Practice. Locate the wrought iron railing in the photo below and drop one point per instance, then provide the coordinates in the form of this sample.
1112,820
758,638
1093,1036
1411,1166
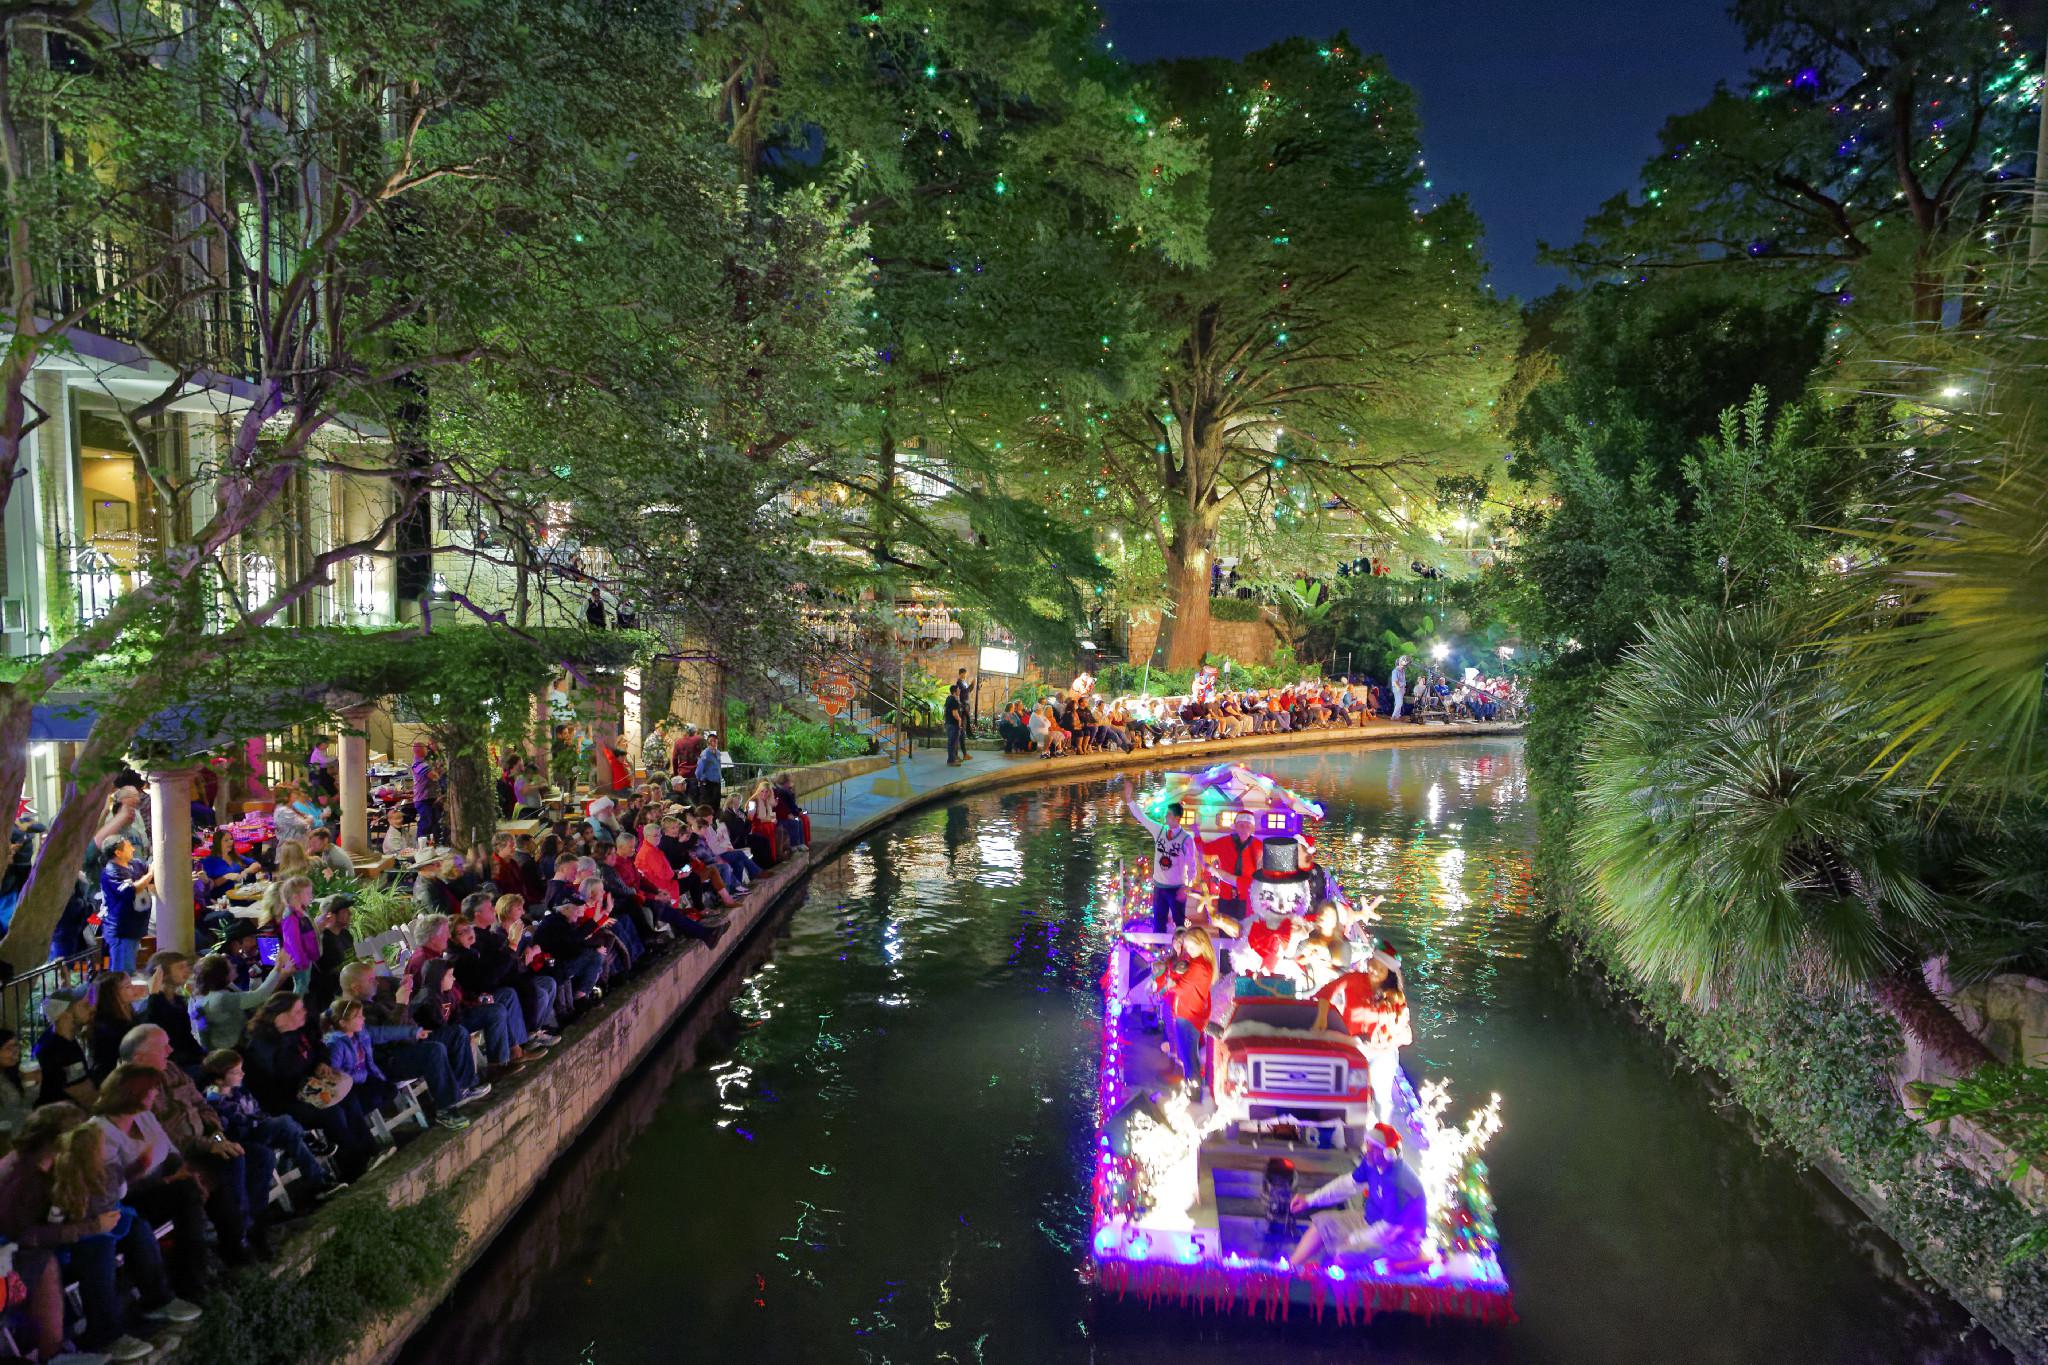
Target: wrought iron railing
21,999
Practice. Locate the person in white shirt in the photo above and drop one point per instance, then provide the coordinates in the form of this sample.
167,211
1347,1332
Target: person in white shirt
1174,856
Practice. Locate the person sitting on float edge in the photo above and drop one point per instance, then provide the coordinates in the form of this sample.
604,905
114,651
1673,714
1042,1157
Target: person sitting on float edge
1390,1219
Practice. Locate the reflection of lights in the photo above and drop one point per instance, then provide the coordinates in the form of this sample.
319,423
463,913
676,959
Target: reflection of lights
1436,802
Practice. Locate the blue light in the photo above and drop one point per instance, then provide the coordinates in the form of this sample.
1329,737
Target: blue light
1335,1272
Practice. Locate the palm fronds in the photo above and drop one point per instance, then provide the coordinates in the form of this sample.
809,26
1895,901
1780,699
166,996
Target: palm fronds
1737,838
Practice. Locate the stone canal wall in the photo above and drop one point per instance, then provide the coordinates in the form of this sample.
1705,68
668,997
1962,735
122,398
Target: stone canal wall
488,1170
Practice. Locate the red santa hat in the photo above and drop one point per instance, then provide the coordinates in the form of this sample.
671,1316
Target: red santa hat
1384,1137
1386,957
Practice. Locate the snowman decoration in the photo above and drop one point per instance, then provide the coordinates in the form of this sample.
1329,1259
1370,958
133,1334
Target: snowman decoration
1281,896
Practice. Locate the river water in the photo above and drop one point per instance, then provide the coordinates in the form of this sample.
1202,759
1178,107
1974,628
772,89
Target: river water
872,1142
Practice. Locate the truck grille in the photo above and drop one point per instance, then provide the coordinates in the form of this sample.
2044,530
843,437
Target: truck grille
1297,1075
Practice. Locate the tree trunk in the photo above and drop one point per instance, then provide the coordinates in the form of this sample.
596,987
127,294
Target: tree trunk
1184,636
80,812
16,713
472,792
1904,994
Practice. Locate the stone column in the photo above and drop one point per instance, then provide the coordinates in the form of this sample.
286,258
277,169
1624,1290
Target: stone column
354,759
170,830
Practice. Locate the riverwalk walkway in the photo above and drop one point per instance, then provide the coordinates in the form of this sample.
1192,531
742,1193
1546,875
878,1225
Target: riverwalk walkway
539,1112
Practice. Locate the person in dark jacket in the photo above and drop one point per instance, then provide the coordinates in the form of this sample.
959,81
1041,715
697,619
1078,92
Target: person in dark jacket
485,966
337,950
169,1010
574,955
282,1055
442,1058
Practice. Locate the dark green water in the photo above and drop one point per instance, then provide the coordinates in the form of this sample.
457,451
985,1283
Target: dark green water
872,1144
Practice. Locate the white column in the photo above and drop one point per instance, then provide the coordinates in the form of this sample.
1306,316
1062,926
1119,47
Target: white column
170,830
354,758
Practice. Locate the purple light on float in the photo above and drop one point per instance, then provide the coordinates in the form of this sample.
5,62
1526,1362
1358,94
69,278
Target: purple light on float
1194,1268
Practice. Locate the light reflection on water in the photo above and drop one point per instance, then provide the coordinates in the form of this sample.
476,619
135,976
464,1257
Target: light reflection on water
885,1155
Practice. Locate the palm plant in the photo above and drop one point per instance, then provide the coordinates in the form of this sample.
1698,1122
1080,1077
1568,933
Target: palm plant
1739,841
1941,623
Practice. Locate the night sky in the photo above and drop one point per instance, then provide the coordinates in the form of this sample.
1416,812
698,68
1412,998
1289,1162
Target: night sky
1537,110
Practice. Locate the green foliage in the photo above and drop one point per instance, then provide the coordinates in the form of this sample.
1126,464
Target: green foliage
1866,140
1727,820
371,1259
2010,1102
785,739
1236,609
379,909
1940,621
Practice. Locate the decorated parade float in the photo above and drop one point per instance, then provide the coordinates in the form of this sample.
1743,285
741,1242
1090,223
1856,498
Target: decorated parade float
1196,1201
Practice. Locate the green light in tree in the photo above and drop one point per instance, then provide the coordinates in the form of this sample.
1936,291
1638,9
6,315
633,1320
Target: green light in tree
931,73
1001,186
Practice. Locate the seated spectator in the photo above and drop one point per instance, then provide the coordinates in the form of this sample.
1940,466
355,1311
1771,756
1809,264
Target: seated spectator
438,1002
235,1178
442,1059
223,869
283,1057
574,956
487,969
45,1211
740,865
328,856
67,1074
114,998
790,815
243,948
146,1172
349,1052
219,1012
16,1099
1013,727
243,1120
167,1007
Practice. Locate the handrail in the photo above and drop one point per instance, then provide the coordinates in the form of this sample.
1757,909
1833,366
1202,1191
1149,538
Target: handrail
22,997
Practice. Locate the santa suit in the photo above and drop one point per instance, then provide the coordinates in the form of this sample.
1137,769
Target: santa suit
1238,861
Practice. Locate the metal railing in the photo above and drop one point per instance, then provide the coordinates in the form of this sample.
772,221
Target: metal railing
21,999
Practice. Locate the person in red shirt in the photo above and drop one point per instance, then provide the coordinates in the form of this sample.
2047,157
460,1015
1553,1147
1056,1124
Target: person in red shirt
1233,856
1184,984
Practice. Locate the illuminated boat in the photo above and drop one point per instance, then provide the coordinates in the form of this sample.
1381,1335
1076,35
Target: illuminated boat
1190,1203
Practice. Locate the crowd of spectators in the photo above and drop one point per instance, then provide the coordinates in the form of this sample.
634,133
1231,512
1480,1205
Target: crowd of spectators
174,1111
1083,721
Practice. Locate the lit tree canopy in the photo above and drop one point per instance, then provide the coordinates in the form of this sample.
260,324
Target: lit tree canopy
1332,346
1872,133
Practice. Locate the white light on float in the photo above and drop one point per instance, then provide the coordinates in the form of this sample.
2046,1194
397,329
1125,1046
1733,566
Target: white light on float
1445,1151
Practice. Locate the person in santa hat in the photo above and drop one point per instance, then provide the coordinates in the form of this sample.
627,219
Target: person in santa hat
1233,856
1386,1026
1389,1219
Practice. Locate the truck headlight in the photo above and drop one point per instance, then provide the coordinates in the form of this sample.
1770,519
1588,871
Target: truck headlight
1357,1078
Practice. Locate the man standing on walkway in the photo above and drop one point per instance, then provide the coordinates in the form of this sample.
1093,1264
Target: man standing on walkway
956,726
1400,685
710,773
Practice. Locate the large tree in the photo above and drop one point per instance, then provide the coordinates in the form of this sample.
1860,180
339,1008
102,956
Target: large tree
996,158
1871,133
1332,345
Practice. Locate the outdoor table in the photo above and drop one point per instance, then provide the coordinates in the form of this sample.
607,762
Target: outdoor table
247,893
376,865
519,826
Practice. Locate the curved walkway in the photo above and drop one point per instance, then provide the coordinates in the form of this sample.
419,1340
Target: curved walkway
540,1112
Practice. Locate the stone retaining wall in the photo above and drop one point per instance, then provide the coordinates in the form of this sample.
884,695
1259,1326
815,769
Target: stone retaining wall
539,1112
